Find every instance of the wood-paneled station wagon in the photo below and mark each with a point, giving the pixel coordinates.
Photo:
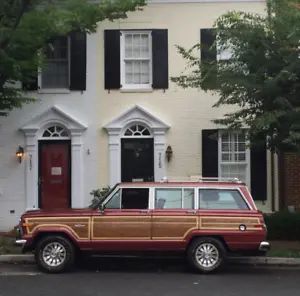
(204, 219)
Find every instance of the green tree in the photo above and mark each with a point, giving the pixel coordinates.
(26, 26)
(262, 77)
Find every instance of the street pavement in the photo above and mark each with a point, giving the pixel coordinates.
(136, 277)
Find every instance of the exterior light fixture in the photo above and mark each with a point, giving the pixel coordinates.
(169, 153)
(20, 153)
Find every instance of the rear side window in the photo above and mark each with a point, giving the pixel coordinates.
(221, 199)
(174, 198)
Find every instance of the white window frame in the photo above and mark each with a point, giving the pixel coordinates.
(57, 89)
(246, 162)
(125, 86)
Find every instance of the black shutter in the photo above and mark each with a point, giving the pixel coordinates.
(31, 84)
(78, 61)
(160, 59)
(112, 59)
(210, 153)
(258, 172)
(208, 55)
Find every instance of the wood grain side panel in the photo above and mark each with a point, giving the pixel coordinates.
(78, 226)
(172, 228)
(121, 228)
(227, 223)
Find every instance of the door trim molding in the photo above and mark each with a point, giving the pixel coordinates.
(33, 131)
(115, 129)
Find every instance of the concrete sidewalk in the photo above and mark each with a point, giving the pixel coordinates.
(267, 261)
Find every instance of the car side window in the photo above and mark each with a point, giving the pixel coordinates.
(129, 198)
(221, 199)
(115, 201)
(174, 198)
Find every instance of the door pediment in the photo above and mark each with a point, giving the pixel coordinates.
(54, 115)
(136, 114)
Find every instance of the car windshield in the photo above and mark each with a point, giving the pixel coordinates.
(97, 201)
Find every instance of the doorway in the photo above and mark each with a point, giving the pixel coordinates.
(54, 180)
(137, 160)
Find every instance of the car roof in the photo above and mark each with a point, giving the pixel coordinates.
(182, 184)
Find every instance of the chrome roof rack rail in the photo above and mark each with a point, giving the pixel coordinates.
(200, 179)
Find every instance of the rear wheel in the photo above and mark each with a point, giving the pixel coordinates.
(206, 254)
(54, 254)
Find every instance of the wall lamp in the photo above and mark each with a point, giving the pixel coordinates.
(20, 153)
(169, 153)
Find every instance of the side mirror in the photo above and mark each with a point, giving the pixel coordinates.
(101, 208)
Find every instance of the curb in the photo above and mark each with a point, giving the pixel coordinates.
(263, 261)
(269, 261)
(17, 258)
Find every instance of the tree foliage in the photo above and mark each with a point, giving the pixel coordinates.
(262, 77)
(26, 26)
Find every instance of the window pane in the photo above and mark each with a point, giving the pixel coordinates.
(234, 171)
(114, 202)
(219, 199)
(135, 198)
(137, 72)
(128, 45)
(188, 198)
(55, 73)
(168, 199)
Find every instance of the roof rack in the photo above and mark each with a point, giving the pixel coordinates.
(200, 179)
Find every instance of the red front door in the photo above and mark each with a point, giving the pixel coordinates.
(54, 174)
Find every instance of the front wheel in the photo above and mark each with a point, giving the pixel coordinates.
(206, 254)
(54, 254)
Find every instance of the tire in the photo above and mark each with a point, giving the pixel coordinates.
(54, 254)
(206, 254)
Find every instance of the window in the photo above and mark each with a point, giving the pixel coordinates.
(221, 199)
(136, 59)
(55, 131)
(137, 130)
(174, 198)
(129, 198)
(233, 156)
(55, 73)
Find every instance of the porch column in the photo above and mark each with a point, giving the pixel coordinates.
(77, 190)
(159, 154)
(114, 156)
(31, 170)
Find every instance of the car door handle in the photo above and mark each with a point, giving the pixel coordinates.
(191, 212)
(144, 211)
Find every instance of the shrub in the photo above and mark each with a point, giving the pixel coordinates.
(283, 226)
(98, 195)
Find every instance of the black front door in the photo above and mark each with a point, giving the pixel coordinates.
(137, 158)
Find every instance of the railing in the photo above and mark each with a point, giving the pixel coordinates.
(200, 179)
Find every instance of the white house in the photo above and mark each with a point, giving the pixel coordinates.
(107, 112)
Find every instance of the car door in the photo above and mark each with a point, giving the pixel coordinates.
(125, 223)
(173, 218)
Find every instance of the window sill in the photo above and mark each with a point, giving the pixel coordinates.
(136, 90)
(54, 91)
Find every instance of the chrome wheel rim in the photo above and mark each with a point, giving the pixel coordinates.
(207, 255)
(54, 254)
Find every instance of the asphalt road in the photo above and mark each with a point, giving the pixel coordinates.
(148, 277)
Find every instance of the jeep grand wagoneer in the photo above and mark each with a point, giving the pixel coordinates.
(205, 220)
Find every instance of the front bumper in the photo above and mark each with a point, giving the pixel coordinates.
(20, 242)
(264, 246)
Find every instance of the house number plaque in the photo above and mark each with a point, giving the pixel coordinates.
(56, 171)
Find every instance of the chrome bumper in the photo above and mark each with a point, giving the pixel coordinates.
(264, 246)
(20, 242)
